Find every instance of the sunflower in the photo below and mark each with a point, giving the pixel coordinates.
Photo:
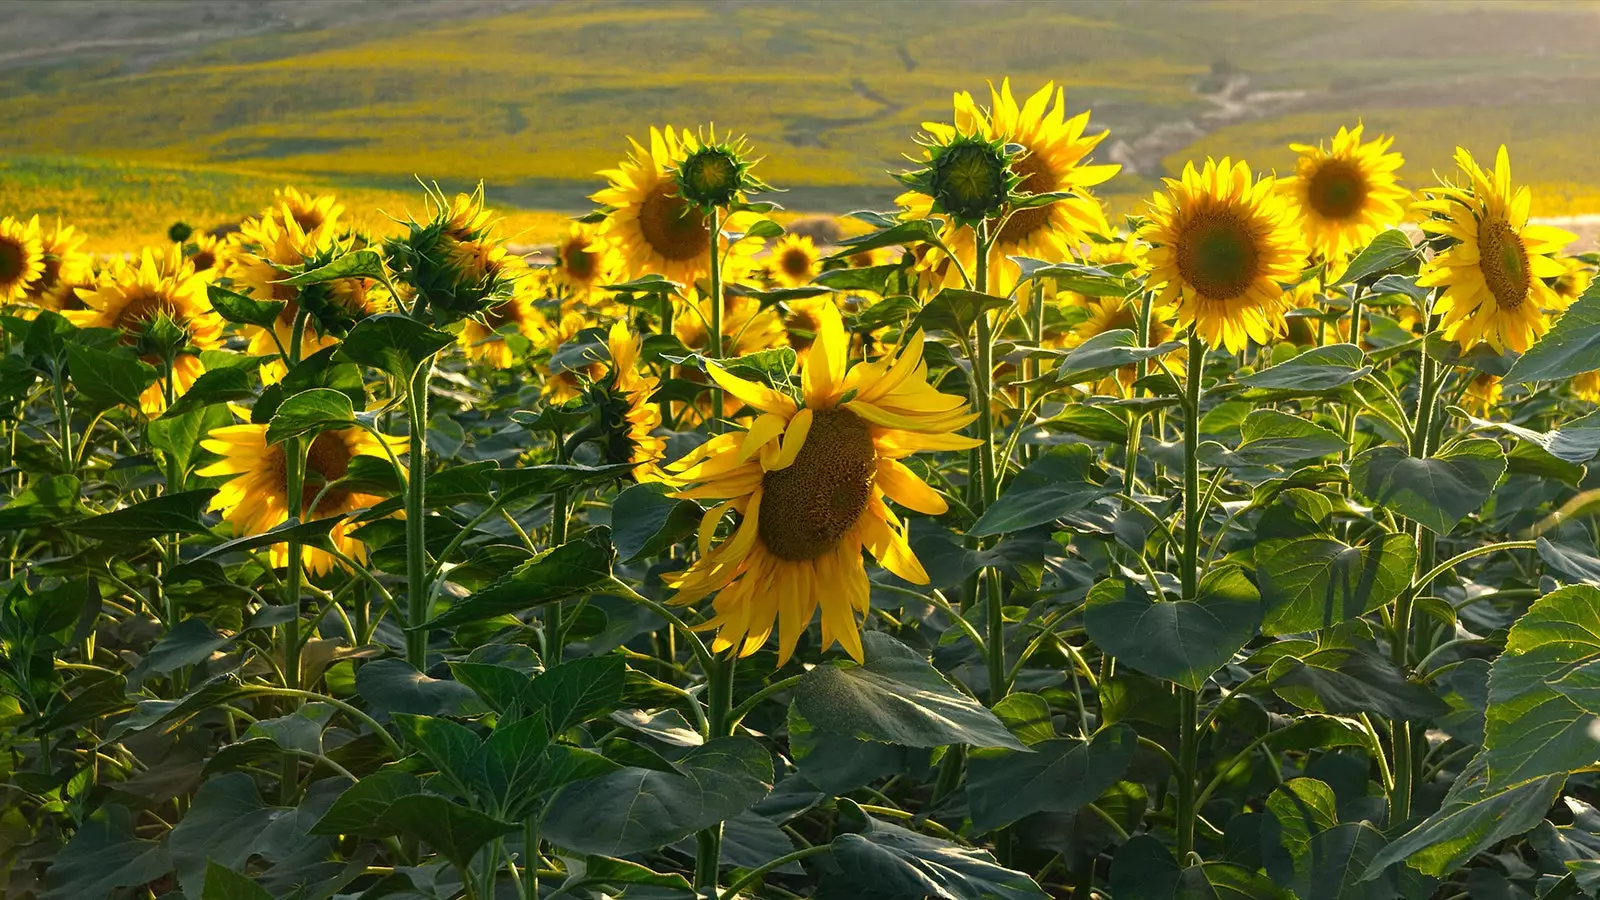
(656, 230)
(795, 260)
(128, 297)
(808, 480)
(265, 252)
(1493, 273)
(803, 321)
(66, 268)
(485, 340)
(1586, 387)
(21, 258)
(746, 326)
(208, 253)
(1054, 148)
(584, 262)
(1221, 244)
(566, 385)
(1483, 394)
(256, 498)
(309, 212)
(631, 418)
(1347, 193)
(1570, 285)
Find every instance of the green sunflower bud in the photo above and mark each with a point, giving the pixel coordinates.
(715, 174)
(968, 177)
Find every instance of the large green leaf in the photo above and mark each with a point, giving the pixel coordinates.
(227, 821)
(572, 569)
(363, 263)
(955, 310)
(1090, 281)
(358, 809)
(1272, 438)
(223, 883)
(452, 748)
(393, 343)
(1576, 441)
(242, 310)
(1059, 775)
(634, 809)
(1054, 485)
(309, 413)
(645, 521)
(898, 698)
(880, 861)
(1105, 353)
(226, 385)
(1182, 641)
(169, 514)
(1571, 347)
(1438, 492)
(1544, 690)
(1304, 846)
(103, 856)
(1316, 581)
(574, 692)
(1317, 370)
(109, 377)
(1388, 252)
(1352, 682)
(456, 831)
(1144, 869)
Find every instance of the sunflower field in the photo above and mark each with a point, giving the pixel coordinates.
(1246, 547)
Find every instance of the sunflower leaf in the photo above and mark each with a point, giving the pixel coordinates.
(394, 343)
(1315, 371)
(108, 377)
(645, 521)
(363, 263)
(310, 413)
(900, 234)
(1317, 581)
(955, 310)
(1439, 491)
(242, 310)
(1571, 347)
(215, 386)
(1052, 486)
(572, 569)
(1181, 641)
(169, 514)
(1389, 252)
(886, 862)
(1105, 353)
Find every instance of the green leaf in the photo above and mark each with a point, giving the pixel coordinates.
(1437, 492)
(1105, 353)
(868, 279)
(448, 827)
(510, 765)
(1315, 371)
(359, 808)
(363, 263)
(394, 343)
(1059, 775)
(1389, 251)
(1028, 716)
(603, 870)
(880, 861)
(907, 234)
(1317, 581)
(228, 385)
(169, 514)
(1544, 690)
(1298, 810)
(227, 822)
(223, 883)
(104, 855)
(1096, 423)
(645, 521)
(1472, 818)
(1182, 641)
(574, 692)
(955, 310)
(896, 698)
(310, 413)
(46, 500)
(1090, 281)
(1574, 442)
(577, 567)
(1272, 438)
(1144, 869)
(1054, 485)
(1351, 682)
(302, 531)
(452, 748)
(1570, 562)
(635, 809)
(242, 310)
(392, 685)
(1571, 347)
(109, 378)
(529, 481)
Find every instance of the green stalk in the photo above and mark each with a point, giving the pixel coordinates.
(1189, 701)
(708, 843)
(64, 420)
(294, 470)
(416, 511)
(989, 483)
(1352, 409)
(714, 342)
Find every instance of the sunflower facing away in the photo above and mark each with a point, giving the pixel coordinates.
(256, 497)
(1221, 246)
(1347, 193)
(656, 230)
(808, 480)
(795, 260)
(631, 418)
(1493, 273)
(21, 258)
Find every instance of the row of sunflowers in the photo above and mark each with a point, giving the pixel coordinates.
(1244, 548)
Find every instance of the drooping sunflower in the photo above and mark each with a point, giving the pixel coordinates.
(256, 498)
(131, 296)
(1222, 245)
(630, 418)
(1054, 148)
(656, 230)
(485, 340)
(795, 260)
(808, 480)
(1347, 193)
(1571, 284)
(66, 268)
(21, 257)
(1493, 273)
(584, 262)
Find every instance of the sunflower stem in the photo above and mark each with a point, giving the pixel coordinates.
(708, 843)
(294, 474)
(1189, 700)
(714, 339)
(1352, 409)
(416, 510)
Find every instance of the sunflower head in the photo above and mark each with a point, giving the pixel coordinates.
(66, 268)
(628, 417)
(1570, 285)
(1347, 193)
(158, 303)
(178, 232)
(794, 260)
(453, 261)
(21, 257)
(308, 211)
(714, 173)
(968, 176)
(1483, 394)
(584, 261)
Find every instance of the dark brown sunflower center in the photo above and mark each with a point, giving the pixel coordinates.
(808, 507)
(1037, 178)
(327, 461)
(10, 262)
(802, 325)
(671, 226)
(204, 260)
(51, 276)
(1504, 263)
(579, 262)
(309, 219)
(141, 308)
(1337, 190)
(1217, 255)
(795, 262)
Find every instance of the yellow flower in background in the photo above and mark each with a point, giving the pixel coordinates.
(1493, 273)
(794, 260)
(1347, 193)
(484, 340)
(565, 385)
(66, 268)
(1571, 284)
(256, 498)
(1221, 246)
(208, 253)
(1586, 387)
(310, 212)
(1054, 148)
(1483, 394)
(803, 321)
(21, 258)
(632, 419)
(584, 261)
(808, 480)
(746, 326)
(656, 231)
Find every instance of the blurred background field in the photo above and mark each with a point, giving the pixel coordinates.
(124, 117)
